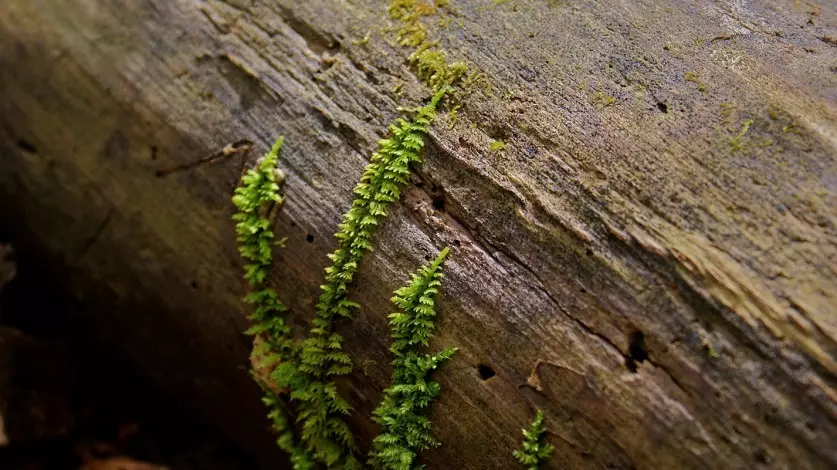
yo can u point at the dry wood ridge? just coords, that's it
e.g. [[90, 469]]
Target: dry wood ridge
[[651, 259]]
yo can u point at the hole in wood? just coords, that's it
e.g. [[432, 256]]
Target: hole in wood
[[309, 238], [439, 203], [637, 351], [486, 372], [26, 146]]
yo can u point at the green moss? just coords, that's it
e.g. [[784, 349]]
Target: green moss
[[692, 77], [433, 68], [710, 351], [603, 100], [453, 116], [321, 410], [405, 430], [534, 450], [398, 90], [791, 128], [300, 459], [362, 41], [431, 62], [497, 146], [256, 198], [409, 12], [736, 142], [726, 113], [307, 370]]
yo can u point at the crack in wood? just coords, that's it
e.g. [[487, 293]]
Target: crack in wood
[[97, 233]]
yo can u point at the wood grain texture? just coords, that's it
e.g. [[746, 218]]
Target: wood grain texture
[[657, 271]]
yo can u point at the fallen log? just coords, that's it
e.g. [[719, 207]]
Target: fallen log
[[639, 198]]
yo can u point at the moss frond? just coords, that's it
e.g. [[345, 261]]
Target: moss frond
[[404, 429], [255, 198], [534, 450], [287, 440], [321, 410]]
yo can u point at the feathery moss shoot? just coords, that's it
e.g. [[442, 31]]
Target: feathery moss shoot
[[255, 199], [321, 410], [404, 429], [535, 449]]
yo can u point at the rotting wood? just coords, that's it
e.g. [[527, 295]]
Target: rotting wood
[[663, 213]]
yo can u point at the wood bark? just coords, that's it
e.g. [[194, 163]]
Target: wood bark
[[652, 259]]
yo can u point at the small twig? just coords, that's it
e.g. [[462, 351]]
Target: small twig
[[241, 147]]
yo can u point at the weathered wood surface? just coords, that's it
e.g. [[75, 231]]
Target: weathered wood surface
[[688, 226]]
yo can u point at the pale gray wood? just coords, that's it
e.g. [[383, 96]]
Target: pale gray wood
[[600, 222]]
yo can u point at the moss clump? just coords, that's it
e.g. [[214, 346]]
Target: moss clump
[[362, 41], [603, 100], [736, 143], [453, 116], [692, 77], [404, 429], [433, 68], [409, 12], [255, 199], [307, 370], [311, 379], [710, 350], [497, 146], [534, 449], [430, 61]]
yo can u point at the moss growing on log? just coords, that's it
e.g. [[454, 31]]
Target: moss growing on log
[[404, 429], [321, 409], [255, 199], [692, 77], [308, 369], [534, 450], [736, 142], [602, 99], [433, 68], [497, 146], [430, 61]]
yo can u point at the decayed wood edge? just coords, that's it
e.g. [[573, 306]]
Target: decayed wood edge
[[563, 253], [7, 273], [8, 268]]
